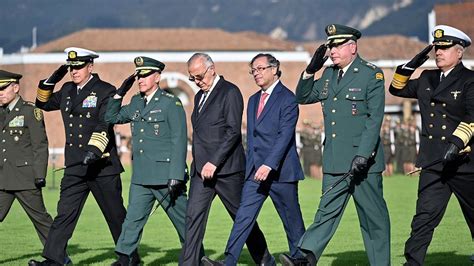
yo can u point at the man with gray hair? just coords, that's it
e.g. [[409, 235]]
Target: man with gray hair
[[446, 99], [218, 165]]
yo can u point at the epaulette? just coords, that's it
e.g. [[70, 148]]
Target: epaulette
[[368, 64], [167, 94]]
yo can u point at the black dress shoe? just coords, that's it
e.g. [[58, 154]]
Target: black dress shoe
[[270, 261], [208, 262], [308, 260]]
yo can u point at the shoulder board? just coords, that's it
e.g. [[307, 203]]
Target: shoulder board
[[368, 64], [168, 95], [28, 103]]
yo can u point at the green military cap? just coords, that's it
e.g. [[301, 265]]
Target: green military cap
[[79, 57], [448, 36], [8, 77], [145, 66], [338, 34]]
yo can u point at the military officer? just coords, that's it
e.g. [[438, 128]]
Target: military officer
[[446, 99], [387, 140], [90, 152], [351, 92], [24, 155], [159, 136]]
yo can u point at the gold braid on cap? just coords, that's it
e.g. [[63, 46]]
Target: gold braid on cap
[[99, 140], [399, 81], [464, 132], [43, 95]]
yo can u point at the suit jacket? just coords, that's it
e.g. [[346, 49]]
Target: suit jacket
[[353, 113], [217, 130], [271, 137], [24, 146], [443, 106], [86, 130], [159, 136]]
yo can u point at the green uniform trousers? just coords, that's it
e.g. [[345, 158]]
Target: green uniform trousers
[[140, 204], [371, 209]]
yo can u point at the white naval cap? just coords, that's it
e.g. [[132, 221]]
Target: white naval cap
[[448, 36], [79, 56]]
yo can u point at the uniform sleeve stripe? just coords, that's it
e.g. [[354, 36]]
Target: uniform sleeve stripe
[[99, 140], [399, 81], [43, 95], [464, 132]]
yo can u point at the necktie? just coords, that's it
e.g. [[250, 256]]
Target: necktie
[[145, 101], [201, 103], [339, 75], [442, 77], [78, 90], [261, 104]]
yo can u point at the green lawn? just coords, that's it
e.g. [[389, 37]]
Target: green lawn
[[92, 243]]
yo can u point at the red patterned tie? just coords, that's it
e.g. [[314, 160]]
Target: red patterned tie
[[261, 104]]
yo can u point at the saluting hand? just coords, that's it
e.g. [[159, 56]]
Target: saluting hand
[[57, 75], [262, 173], [318, 59], [126, 85], [207, 171], [419, 59]]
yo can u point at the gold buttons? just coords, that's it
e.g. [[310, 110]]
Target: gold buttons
[[430, 137], [70, 144], [432, 104], [70, 135], [5, 159], [432, 114], [335, 99], [347, 95], [443, 138], [70, 124], [141, 130], [333, 123], [333, 110], [140, 141], [444, 104], [444, 115], [80, 145], [141, 151], [71, 116], [80, 136], [80, 125], [333, 135], [443, 127], [430, 125]]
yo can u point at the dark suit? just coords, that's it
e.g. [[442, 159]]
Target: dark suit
[[217, 139], [271, 142], [86, 130], [24, 158], [441, 112]]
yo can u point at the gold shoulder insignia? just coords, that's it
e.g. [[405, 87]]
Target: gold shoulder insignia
[[169, 95], [38, 114], [379, 75], [178, 103]]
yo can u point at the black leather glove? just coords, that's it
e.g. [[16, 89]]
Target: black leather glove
[[359, 165], [174, 187], [58, 75], [451, 154], [40, 182], [318, 59], [90, 158], [126, 85]]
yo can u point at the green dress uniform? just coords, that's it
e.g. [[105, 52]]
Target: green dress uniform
[[353, 110], [159, 139], [23, 159]]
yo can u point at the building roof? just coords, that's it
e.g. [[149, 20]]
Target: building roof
[[163, 40], [458, 15]]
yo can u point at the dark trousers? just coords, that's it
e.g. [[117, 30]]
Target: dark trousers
[[434, 192], [107, 191], [201, 195], [285, 199], [33, 204]]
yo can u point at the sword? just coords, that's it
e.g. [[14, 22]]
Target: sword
[[160, 202], [348, 174], [437, 161], [105, 155]]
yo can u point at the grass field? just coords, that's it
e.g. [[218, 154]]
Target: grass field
[[92, 243]]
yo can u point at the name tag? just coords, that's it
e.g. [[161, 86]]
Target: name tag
[[155, 111], [355, 89], [18, 121], [90, 102]]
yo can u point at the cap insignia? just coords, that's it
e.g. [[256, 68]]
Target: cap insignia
[[139, 61], [72, 54], [438, 33], [331, 29]]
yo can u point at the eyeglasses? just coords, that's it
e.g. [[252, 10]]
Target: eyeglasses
[[339, 46], [199, 77], [258, 69]]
